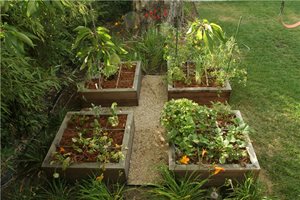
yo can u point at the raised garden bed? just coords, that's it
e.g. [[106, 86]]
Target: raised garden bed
[[87, 163], [202, 93], [208, 140], [233, 171], [123, 88]]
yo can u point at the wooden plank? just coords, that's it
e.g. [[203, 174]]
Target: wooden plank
[[123, 96], [201, 95]]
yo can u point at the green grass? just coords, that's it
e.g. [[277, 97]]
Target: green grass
[[270, 102]]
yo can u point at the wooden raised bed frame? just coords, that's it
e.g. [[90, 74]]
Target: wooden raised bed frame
[[201, 95], [122, 96], [114, 172], [232, 171]]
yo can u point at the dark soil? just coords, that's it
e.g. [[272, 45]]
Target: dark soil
[[84, 124], [125, 80]]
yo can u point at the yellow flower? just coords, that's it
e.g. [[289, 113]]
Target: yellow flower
[[184, 160], [218, 170], [100, 178], [116, 23], [203, 152]]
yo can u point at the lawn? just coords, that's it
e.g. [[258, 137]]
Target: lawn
[[270, 102]]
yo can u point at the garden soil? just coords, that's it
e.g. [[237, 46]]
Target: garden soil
[[149, 146]]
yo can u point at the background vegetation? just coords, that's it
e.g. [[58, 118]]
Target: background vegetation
[[36, 62]]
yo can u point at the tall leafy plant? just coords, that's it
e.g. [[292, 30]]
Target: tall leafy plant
[[149, 48], [97, 52], [204, 55], [35, 41], [24, 84], [205, 34]]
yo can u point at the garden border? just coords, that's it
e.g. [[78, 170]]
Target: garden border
[[114, 172]]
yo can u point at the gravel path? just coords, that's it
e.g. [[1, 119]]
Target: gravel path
[[149, 146]]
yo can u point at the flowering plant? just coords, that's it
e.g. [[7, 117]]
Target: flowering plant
[[204, 135]]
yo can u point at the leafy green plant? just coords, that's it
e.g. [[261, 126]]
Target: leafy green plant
[[176, 189], [250, 189], [113, 119], [203, 55], [62, 157], [149, 47], [31, 34], [205, 34], [207, 135], [99, 143], [97, 52], [57, 189], [178, 119], [96, 189], [219, 65]]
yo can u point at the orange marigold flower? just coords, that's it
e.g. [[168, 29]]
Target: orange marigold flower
[[184, 160], [218, 170], [203, 152], [61, 150]]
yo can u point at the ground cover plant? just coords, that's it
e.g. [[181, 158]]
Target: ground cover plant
[[205, 135], [270, 100]]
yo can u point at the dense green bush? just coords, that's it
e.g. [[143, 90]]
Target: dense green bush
[[36, 58]]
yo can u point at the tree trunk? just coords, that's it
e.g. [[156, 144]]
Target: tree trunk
[[157, 11]]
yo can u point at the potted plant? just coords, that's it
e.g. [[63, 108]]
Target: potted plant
[[201, 63], [107, 78], [206, 139], [92, 142]]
